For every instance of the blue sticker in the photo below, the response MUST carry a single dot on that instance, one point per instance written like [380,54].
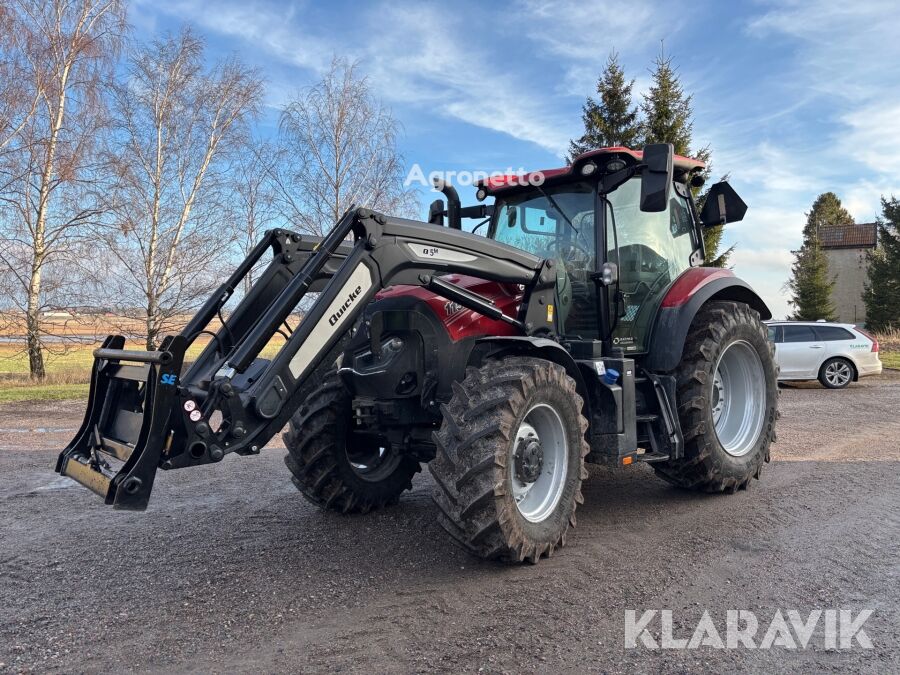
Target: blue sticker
[168,378]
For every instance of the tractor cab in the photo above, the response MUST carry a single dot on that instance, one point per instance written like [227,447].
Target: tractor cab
[622,226]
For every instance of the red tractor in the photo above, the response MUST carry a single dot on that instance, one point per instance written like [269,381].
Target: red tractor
[582,328]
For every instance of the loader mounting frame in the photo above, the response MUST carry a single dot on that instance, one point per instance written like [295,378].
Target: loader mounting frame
[144,414]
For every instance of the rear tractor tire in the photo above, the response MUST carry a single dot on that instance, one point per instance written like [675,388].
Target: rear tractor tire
[335,469]
[727,400]
[510,459]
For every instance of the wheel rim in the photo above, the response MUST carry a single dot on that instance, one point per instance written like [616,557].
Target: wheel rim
[371,459]
[838,373]
[738,398]
[539,463]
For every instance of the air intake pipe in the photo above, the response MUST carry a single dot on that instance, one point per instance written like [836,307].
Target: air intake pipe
[454,219]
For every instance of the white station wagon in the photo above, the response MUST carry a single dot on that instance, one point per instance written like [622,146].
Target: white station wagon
[836,354]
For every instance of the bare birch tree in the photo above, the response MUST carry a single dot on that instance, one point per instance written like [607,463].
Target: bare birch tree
[254,199]
[177,125]
[61,51]
[18,97]
[339,148]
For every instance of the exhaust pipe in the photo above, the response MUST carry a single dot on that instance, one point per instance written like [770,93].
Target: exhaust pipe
[454,219]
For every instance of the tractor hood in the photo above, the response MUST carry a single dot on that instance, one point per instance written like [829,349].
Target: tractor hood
[460,322]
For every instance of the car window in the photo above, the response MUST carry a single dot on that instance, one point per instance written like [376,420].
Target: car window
[774,334]
[798,334]
[832,333]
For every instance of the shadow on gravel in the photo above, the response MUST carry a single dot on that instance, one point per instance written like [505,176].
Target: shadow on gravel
[231,558]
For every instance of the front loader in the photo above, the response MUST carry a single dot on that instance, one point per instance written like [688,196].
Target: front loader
[580,329]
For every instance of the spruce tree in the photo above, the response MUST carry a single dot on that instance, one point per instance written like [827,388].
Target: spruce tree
[810,286]
[668,118]
[668,115]
[611,119]
[882,291]
[712,236]
[826,211]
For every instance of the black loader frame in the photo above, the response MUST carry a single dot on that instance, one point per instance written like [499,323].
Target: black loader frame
[144,414]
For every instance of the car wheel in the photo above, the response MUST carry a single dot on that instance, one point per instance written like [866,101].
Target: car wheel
[836,373]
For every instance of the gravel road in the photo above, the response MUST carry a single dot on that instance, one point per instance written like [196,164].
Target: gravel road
[231,570]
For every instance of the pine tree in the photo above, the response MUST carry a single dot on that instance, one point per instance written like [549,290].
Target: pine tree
[612,119]
[810,286]
[882,291]
[668,115]
[668,118]
[712,236]
[826,211]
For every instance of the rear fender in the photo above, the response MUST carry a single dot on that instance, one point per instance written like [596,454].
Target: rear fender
[542,348]
[688,294]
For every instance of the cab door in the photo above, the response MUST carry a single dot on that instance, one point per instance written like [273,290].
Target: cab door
[653,250]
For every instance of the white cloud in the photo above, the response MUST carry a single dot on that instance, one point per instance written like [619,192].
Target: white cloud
[414,54]
[863,197]
[582,35]
[846,53]
[580,30]
[766,270]
[772,168]
[845,45]
[457,77]
[873,135]
[270,29]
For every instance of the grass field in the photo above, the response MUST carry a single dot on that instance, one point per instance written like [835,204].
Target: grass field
[891,359]
[69,368]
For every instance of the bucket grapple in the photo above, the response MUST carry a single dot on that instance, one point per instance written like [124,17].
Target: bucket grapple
[126,429]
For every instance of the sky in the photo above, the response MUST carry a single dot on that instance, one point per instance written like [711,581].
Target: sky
[793,98]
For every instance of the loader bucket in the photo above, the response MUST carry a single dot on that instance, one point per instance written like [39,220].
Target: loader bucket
[125,432]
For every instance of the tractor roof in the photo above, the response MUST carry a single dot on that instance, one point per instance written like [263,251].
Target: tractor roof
[495,184]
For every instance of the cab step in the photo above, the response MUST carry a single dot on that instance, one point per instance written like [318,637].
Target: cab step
[650,457]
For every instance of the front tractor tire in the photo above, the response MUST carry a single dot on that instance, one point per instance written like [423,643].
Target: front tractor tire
[510,459]
[727,400]
[335,469]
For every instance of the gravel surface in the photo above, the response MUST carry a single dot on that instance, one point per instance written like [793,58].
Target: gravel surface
[230,569]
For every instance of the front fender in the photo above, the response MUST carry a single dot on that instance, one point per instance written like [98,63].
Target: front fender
[688,294]
[520,345]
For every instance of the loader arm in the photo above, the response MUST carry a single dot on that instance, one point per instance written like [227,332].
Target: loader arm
[143,414]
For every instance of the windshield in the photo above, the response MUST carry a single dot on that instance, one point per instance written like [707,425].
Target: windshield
[557,223]
[548,222]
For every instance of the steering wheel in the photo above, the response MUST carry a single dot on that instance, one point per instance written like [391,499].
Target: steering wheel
[638,263]
[576,256]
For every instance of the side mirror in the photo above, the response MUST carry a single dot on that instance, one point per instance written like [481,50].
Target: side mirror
[656,180]
[436,213]
[723,205]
